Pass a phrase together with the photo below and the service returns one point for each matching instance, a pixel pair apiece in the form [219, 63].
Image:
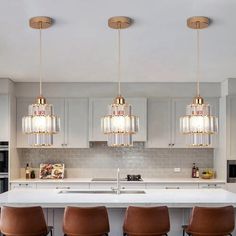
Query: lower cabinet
[22, 185]
[137, 185]
[212, 185]
[102, 185]
[63, 186]
[171, 186]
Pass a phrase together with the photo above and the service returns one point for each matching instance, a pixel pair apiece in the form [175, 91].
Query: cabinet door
[231, 113]
[76, 134]
[4, 117]
[214, 102]
[22, 110]
[139, 108]
[178, 110]
[98, 107]
[59, 110]
[22, 185]
[159, 123]
[211, 185]
[171, 186]
[62, 186]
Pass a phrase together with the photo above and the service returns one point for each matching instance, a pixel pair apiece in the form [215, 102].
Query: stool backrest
[89, 221]
[23, 221]
[146, 221]
[206, 221]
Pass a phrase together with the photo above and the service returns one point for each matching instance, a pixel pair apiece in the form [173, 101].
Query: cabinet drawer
[133, 185]
[63, 186]
[171, 186]
[211, 185]
[102, 185]
[22, 185]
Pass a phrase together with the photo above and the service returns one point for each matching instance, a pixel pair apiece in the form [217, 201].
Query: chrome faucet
[118, 187]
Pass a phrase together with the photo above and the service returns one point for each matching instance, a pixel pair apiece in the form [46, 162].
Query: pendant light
[40, 124]
[198, 124]
[119, 125]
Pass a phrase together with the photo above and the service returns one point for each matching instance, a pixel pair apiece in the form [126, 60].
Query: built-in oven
[3, 157]
[3, 166]
[3, 183]
[231, 171]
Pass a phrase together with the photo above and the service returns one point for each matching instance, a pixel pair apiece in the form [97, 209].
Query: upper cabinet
[159, 123]
[81, 120]
[163, 121]
[231, 127]
[77, 123]
[98, 107]
[73, 113]
[4, 117]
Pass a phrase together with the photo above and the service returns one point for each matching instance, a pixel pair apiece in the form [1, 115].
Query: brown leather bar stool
[145, 221]
[89, 221]
[206, 221]
[23, 221]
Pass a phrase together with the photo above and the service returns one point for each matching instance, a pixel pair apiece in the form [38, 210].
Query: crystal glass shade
[40, 124]
[198, 124]
[120, 125]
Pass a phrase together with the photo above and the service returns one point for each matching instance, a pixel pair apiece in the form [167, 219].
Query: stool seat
[23, 221]
[86, 221]
[146, 221]
[206, 221]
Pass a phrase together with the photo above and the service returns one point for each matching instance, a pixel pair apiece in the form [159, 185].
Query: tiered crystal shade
[40, 124]
[198, 124]
[120, 125]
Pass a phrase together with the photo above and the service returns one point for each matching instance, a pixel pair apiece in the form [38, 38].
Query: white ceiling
[80, 47]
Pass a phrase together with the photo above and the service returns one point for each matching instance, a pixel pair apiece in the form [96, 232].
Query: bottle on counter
[32, 174]
[197, 172]
[194, 171]
[27, 171]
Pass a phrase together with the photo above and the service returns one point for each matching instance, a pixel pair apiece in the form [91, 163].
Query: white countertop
[173, 198]
[145, 180]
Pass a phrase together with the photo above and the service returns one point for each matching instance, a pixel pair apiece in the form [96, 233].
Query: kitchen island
[180, 202]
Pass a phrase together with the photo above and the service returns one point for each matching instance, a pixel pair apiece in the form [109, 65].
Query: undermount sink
[101, 192]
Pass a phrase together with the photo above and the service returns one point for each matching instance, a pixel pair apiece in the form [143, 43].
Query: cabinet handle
[62, 187]
[173, 144]
[169, 144]
[172, 187]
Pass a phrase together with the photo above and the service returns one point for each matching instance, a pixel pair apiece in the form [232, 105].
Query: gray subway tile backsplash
[102, 161]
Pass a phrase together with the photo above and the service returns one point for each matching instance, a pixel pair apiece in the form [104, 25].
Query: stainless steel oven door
[231, 171]
[3, 182]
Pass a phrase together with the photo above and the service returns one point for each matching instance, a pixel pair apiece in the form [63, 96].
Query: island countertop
[173, 198]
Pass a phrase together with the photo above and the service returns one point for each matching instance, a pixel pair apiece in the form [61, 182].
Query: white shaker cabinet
[159, 123]
[231, 127]
[178, 110]
[73, 113]
[22, 110]
[164, 121]
[76, 135]
[59, 110]
[98, 107]
[4, 117]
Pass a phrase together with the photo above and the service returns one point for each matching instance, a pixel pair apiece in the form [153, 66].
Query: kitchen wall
[102, 161]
